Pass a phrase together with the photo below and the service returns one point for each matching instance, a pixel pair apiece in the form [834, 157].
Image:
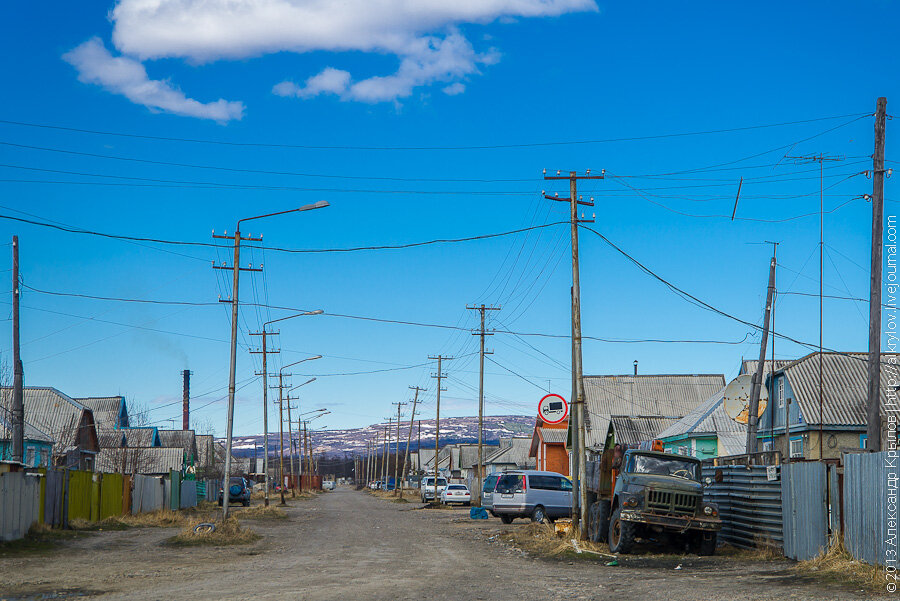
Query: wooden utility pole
[873, 405]
[18, 400]
[412, 416]
[291, 444]
[580, 521]
[753, 409]
[482, 333]
[397, 454]
[264, 352]
[281, 435]
[437, 421]
[386, 447]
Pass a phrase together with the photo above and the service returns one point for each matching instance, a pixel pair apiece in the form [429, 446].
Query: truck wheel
[621, 533]
[506, 519]
[598, 526]
[706, 546]
[538, 515]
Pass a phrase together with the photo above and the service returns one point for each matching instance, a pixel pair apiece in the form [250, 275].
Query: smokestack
[186, 403]
[635, 367]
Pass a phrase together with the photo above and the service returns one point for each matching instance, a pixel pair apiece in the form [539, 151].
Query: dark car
[238, 492]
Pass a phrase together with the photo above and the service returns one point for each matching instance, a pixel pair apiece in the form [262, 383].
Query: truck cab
[649, 494]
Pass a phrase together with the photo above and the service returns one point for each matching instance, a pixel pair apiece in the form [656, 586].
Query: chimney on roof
[635, 367]
[186, 402]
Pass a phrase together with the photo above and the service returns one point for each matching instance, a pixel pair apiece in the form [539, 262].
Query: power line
[421, 148]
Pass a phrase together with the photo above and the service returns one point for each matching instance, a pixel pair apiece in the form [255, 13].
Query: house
[708, 431]
[144, 436]
[110, 413]
[837, 424]
[151, 461]
[66, 421]
[180, 439]
[512, 454]
[206, 453]
[645, 396]
[548, 446]
[629, 430]
[38, 445]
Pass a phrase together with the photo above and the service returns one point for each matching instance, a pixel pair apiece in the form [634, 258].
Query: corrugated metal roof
[733, 443]
[748, 366]
[672, 395]
[554, 435]
[512, 451]
[141, 437]
[844, 386]
[53, 413]
[709, 417]
[632, 430]
[31, 433]
[111, 439]
[139, 460]
[107, 411]
[183, 439]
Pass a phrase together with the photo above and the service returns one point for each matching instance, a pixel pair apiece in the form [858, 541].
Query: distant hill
[353, 440]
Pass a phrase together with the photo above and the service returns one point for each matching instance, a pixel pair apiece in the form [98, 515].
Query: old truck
[647, 494]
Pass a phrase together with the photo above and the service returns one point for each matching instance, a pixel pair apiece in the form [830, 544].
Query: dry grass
[836, 564]
[261, 512]
[389, 495]
[228, 533]
[154, 519]
[765, 550]
[542, 539]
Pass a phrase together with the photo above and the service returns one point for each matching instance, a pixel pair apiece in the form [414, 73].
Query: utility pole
[18, 400]
[397, 455]
[265, 352]
[385, 450]
[820, 158]
[409, 436]
[580, 520]
[281, 434]
[873, 405]
[482, 333]
[753, 410]
[437, 421]
[291, 444]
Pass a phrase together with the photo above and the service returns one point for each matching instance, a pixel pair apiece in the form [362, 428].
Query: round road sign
[553, 409]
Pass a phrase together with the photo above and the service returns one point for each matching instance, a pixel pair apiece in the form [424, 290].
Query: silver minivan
[531, 494]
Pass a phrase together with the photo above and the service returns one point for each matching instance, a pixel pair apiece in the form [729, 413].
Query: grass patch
[228, 533]
[542, 539]
[261, 512]
[838, 566]
[761, 552]
[40, 539]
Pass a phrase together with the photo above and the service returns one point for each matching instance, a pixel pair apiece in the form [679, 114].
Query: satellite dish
[737, 399]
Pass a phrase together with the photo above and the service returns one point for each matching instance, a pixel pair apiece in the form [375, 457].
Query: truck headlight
[708, 510]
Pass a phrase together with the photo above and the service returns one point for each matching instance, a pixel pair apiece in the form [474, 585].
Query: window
[862, 440]
[768, 445]
[489, 483]
[457, 487]
[45, 458]
[544, 482]
[510, 483]
[780, 392]
[796, 448]
[651, 464]
[29, 457]
[565, 485]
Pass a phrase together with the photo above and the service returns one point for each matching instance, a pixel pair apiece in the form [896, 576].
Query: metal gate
[749, 505]
[804, 505]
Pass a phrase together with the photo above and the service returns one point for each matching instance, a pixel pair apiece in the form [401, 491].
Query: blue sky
[476, 74]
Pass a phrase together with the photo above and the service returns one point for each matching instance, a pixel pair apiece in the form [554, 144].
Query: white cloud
[420, 33]
[329, 81]
[128, 77]
[455, 88]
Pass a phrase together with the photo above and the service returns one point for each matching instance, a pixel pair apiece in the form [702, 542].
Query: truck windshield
[648, 464]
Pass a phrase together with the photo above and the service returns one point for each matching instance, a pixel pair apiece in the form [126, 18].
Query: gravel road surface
[350, 545]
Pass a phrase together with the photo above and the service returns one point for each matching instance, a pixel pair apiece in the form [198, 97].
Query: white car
[427, 488]
[328, 485]
[456, 493]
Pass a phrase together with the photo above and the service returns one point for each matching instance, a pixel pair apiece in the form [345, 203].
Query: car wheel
[246, 503]
[506, 519]
[538, 515]
[468, 503]
[598, 526]
[621, 533]
[220, 502]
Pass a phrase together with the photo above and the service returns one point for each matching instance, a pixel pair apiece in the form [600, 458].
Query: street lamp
[265, 373]
[321, 413]
[281, 412]
[236, 269]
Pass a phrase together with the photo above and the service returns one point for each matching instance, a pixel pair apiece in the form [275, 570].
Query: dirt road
[349, 545]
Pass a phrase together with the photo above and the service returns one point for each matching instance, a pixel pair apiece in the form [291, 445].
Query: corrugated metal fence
[870, 506]
[20, 496]
[805, 513]
[749, 505]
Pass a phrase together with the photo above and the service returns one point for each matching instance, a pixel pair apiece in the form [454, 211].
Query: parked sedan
[456, 493]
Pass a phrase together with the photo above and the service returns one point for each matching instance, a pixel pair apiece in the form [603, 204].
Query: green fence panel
[175, 488]
[111, 490]
[80, 489]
